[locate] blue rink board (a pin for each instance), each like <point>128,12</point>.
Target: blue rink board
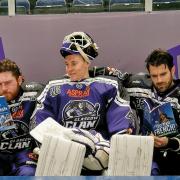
<point>90,178</point>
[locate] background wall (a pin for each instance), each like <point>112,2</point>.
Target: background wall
<point>125,39</point>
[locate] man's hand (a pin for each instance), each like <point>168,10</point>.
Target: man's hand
<point>125,131</point>
<point>117,73</point>
<point>160,142</point>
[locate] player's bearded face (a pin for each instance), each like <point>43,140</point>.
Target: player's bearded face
<point>162,77</point>
<point>9,85</point>
<point>76,67</point>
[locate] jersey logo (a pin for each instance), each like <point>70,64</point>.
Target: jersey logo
<point>15,144</point>
<point>17,112</point>
<point>55,90</point>
<point>79,86</point>
<point>78,92</point>
<point>82,114</point>
<point>16,137</point>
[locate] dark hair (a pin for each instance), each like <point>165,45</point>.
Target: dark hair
<point>158,57</point>
<point>8,65</point>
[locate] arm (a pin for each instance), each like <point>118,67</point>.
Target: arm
<point>107,71</point>
<point>127,79</point>
<point>172,143</point>
<point>119,114</point>
<point>45,106</point>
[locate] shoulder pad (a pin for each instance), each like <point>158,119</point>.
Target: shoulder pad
<point>138,80</point>
<point>32,86</point>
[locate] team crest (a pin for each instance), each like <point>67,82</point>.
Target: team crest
<point>15,138</point>
<point>82,114</point>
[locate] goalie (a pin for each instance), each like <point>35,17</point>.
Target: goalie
<point>83,102</point>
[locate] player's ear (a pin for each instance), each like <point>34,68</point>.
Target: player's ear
<point>20,80</point>
<point>173,69</point>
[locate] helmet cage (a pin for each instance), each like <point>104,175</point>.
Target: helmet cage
<point>76,40</point>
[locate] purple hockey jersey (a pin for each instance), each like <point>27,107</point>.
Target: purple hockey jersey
<point>93,103</point>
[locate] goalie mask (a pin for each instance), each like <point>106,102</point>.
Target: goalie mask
<point>79,43</point>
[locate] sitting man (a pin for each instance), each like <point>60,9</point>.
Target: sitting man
<point>159,86</point>
<point>16,157</point>
<point>80,101</point>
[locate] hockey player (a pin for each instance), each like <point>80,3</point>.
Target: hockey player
<point>16,157</point>
<point>165,89</point>
<point>81,101</point>
<point>158,86</point>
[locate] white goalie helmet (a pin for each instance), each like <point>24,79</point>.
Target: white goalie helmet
<point>79,43</point>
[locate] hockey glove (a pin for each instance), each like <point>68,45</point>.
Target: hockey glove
<point>117,73</point>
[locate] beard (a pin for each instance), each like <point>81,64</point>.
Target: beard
<point>11,94</point>
<point>162,87</point>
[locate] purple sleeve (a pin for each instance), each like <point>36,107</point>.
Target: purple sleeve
<point>45,107</point>
<point>119,115</point>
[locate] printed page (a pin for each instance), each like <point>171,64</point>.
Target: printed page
<point>147,124</point>
<point>163,120</point>
<point>6,122</point>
